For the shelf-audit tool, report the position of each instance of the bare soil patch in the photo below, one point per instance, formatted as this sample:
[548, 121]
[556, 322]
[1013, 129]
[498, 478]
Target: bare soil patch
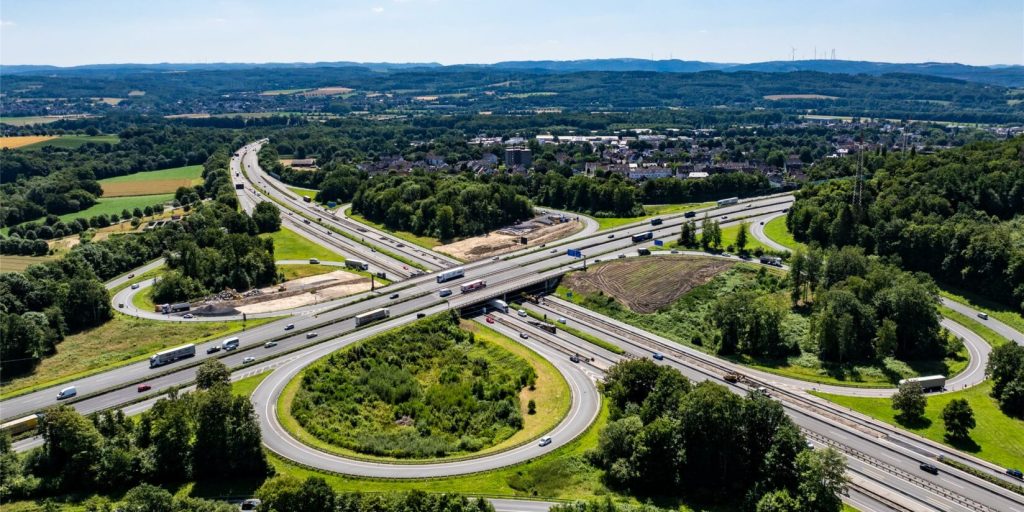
[503, 240]
[328, 91]
[144, 188]
[304, 291]
[647, 284]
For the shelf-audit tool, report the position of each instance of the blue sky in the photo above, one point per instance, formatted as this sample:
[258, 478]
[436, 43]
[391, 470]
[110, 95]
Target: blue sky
[70, 32]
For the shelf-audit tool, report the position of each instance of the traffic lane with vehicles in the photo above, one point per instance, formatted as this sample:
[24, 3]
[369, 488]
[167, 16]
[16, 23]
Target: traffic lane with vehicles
[1000, 328]
[128, 276]
[757, 229]
[585, 405]
[501, 271]
[269, 185]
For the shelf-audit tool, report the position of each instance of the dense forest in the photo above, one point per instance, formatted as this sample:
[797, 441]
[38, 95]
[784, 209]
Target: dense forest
[709, 445]
[209, 433]
[441, 206]
[955, 215]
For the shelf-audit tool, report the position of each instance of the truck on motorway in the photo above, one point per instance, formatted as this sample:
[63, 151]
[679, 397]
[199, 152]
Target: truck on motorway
[173, 308]
[728, 201]
[929, 383]
[473, 286]
[640, 237]
[450, 274]
[15, 427]
[171, 355]
[372, 316]
[498, 304]
[229, 344]
[357, 264]
[774, 261]
[656, 221]
[307, 199]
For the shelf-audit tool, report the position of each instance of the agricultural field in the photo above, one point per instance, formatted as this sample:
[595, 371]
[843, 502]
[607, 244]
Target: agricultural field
[152, 182]
[72, 142]
[289, 245]
[29, 120]
[431, 389]
[778, 97]
[22, 141]
[997, 437]
[115, 205]
[282, 92]
[677, 302]
[19, 263]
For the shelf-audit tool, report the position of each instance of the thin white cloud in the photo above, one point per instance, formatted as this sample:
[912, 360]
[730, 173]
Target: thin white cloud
[378, 10]
[6, 23]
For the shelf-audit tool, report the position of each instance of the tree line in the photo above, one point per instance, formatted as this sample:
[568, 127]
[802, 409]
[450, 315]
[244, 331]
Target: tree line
[709, 445]
[954, 215]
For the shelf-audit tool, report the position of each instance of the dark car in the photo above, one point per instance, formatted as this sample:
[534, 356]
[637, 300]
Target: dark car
[393, 296]
[144, 387]
[420, 315]
[574, 359]
[1016, 473]
[928, 468]
[659, 356]
[213, 350]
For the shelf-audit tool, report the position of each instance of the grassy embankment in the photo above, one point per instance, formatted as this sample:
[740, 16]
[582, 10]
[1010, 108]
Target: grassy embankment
[776, 230]
[997, 438]
[652, 210]
[426, 242]
[551, 395]
[122, 340]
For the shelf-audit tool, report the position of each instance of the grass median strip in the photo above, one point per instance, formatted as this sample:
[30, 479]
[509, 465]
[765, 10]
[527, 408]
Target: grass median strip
[589, 338]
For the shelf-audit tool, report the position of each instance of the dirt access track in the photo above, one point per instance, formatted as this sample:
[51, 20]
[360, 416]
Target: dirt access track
[500, 242]
[647, 284]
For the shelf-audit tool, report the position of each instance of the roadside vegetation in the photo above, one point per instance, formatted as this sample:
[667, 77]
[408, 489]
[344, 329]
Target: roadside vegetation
[771, 321]
[427, 390]
[996, 437]
[650, 211]
[777, 230]
[289, 245]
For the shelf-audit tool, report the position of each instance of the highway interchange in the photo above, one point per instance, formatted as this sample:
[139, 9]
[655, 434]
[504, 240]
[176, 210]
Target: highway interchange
[877, 453]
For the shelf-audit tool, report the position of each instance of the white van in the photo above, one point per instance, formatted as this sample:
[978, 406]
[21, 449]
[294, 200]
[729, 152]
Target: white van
[67, 392]
[444, 292]
[544, 441]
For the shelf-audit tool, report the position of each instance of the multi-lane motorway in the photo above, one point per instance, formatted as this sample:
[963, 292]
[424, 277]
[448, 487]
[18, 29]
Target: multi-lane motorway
[418, 294]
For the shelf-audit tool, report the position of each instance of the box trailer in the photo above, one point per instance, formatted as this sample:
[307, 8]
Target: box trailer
[499, 305]
[15, 427]
[372, 316]
[640, 237]
[453, 273]
[929, 383]
[473, 286]
[172, 355]
[357, 264]
[728, 201]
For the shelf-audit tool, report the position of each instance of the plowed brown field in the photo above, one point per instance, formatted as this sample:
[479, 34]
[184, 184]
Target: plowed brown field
[647, 284]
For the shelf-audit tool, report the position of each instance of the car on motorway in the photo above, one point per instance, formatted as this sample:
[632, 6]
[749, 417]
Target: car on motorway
[552, 251]
[420, 314]
[611, 235]
[131, 275]
[674, 251]
[762, 223]
[544, 441]
[495, 258]
[135, 286]
[490, 319]
[289, 327]
[524, 336]
[143, 387]
[311, 335]
[444, 292]
[1016, 473]
[983, 316]
[561, 320]
[213, 350]
[270, 344]
[120, 304]
[248, 360]
[659, 356]
[622, 256]
[314, 261]
[521, 312]
[928, 468]
[725, 217]
[188, 316]
[574, 358]
[393, 296]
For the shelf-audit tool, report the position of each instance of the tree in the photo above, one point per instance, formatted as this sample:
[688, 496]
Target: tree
[778, 501]
[289, 493]
[1006, 369]
[445, 222]
[909, 401]
[71, 449]
[886, 339]
[147, 498]
[959, 419]
[822, 480]
[531, 407]
[212, 373]
[267, 217]
[688, 234]
[741, 237]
